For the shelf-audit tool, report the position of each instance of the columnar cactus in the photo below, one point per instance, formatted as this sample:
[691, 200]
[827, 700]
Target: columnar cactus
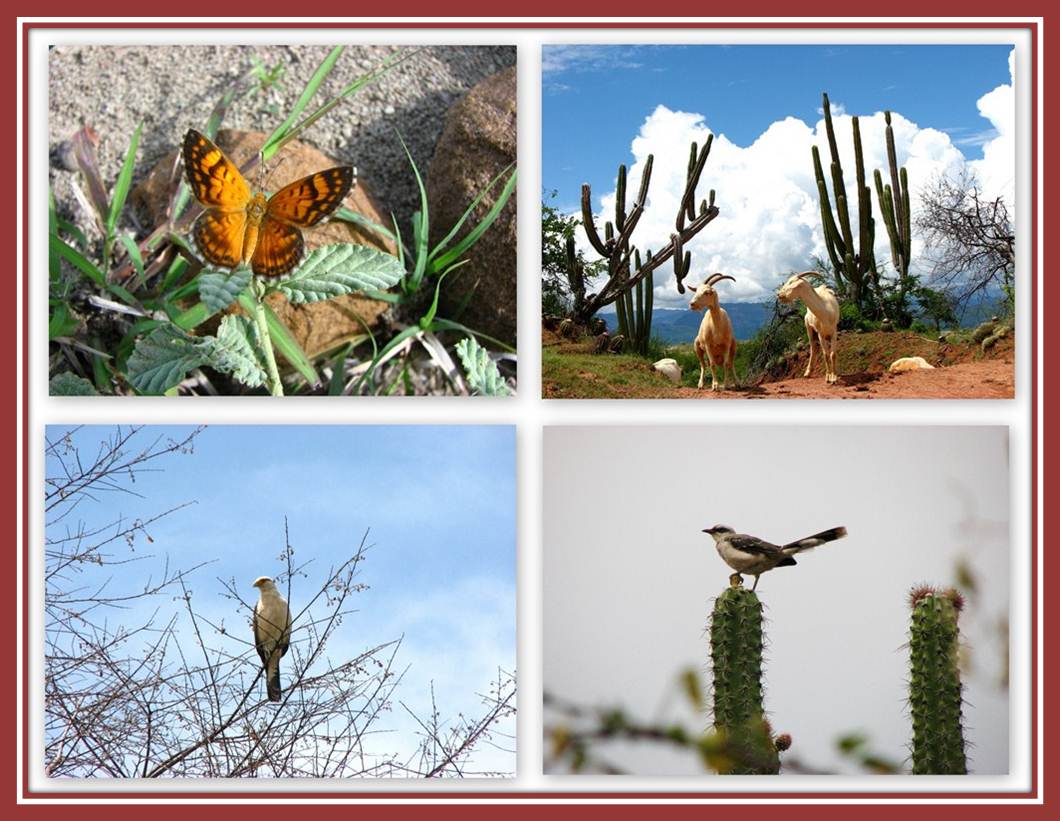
[935, 683]
[854, 264]
[628, 277]
[894, 205]
[634, 310]
[736, 660]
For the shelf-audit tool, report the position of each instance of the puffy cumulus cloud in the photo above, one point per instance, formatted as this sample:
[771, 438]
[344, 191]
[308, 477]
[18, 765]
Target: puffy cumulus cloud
[769, 221]
[997, 169]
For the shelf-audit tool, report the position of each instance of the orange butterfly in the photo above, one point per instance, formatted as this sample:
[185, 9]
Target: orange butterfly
[238, 226]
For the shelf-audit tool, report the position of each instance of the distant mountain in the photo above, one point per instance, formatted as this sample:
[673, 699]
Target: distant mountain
[676, 326]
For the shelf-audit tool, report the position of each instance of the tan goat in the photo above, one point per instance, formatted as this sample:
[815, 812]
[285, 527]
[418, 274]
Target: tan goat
[822, 318]
[714, 343]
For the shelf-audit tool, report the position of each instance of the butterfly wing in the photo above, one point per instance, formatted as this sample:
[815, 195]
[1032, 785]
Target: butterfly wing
[279, 249]
[214, 179]
[219, 236]
[309, 200]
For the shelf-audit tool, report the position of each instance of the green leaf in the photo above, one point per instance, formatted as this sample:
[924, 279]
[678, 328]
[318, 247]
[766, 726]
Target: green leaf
[162, 358]
[61, 322]
[121, 188]
[86, 267]
[134, 253]
[410, 331]
[71, 230]
[420, 223]
[193, 317]
[482, 373]
[323, 70]
[428, 318]
[177, 268]
[505, 194]
[473, 235]
[53, 231]
[286, 344]
[219, 289]
[343, 268]
[237, 350]
[441, 324]
[78, 260]
[70, 384]
[362, 221]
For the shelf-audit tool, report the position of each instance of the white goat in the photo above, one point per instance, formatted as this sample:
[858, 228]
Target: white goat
[822, 318]
[714, 342]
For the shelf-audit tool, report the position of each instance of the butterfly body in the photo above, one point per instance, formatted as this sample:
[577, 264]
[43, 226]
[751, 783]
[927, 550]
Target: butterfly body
[241, 226]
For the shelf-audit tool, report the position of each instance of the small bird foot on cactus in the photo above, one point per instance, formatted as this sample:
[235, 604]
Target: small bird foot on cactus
[735, 580]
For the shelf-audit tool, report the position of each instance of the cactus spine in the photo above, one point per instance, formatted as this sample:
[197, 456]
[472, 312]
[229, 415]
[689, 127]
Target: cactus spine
[736, 659]
[894, 205]
[935, 683]
[854, 265]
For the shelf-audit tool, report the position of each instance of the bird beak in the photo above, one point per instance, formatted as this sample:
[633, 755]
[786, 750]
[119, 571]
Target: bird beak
[708, 530]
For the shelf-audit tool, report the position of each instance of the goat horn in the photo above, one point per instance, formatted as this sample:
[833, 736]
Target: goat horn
[805, 274]
[718, 277]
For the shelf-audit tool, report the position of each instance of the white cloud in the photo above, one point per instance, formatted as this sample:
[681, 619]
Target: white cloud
[769, 221]
[997, 169]
[557, 59]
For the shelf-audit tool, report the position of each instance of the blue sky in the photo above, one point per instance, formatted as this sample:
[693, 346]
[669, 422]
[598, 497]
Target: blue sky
[440, 502]
[598, 100]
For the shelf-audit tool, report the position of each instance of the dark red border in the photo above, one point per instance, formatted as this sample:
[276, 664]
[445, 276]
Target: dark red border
[487, 798]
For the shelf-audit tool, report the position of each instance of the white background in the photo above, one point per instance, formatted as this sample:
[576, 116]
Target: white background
[527, 410]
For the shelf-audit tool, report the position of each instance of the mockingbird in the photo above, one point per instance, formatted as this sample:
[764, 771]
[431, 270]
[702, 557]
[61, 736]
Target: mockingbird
[272, 632]
[751, 555]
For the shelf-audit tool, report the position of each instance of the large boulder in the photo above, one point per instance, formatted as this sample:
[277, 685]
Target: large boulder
[319, 326]
[477, 143]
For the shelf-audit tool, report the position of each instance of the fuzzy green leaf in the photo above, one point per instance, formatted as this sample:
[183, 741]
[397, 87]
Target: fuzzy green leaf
[237, 350]
[482, 373]
[69, 384]
[162, 358]
[219, 289]
[343, 268]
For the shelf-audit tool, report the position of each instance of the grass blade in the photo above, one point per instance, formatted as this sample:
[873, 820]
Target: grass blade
[440, 324]
[455, 252]
[428, 318]
[53, 231]
[283, 340]
[362, 221]
[352, 88]
[277, 137]
[467, 213]
[134, 253]
[121, 188]
[420, 224]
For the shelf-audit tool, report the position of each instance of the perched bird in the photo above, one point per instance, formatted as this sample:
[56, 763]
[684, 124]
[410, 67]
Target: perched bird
[272, 632]
[751, 555]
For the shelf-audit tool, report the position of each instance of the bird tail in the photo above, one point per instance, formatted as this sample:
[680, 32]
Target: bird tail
[272, 684]
[816, 539]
